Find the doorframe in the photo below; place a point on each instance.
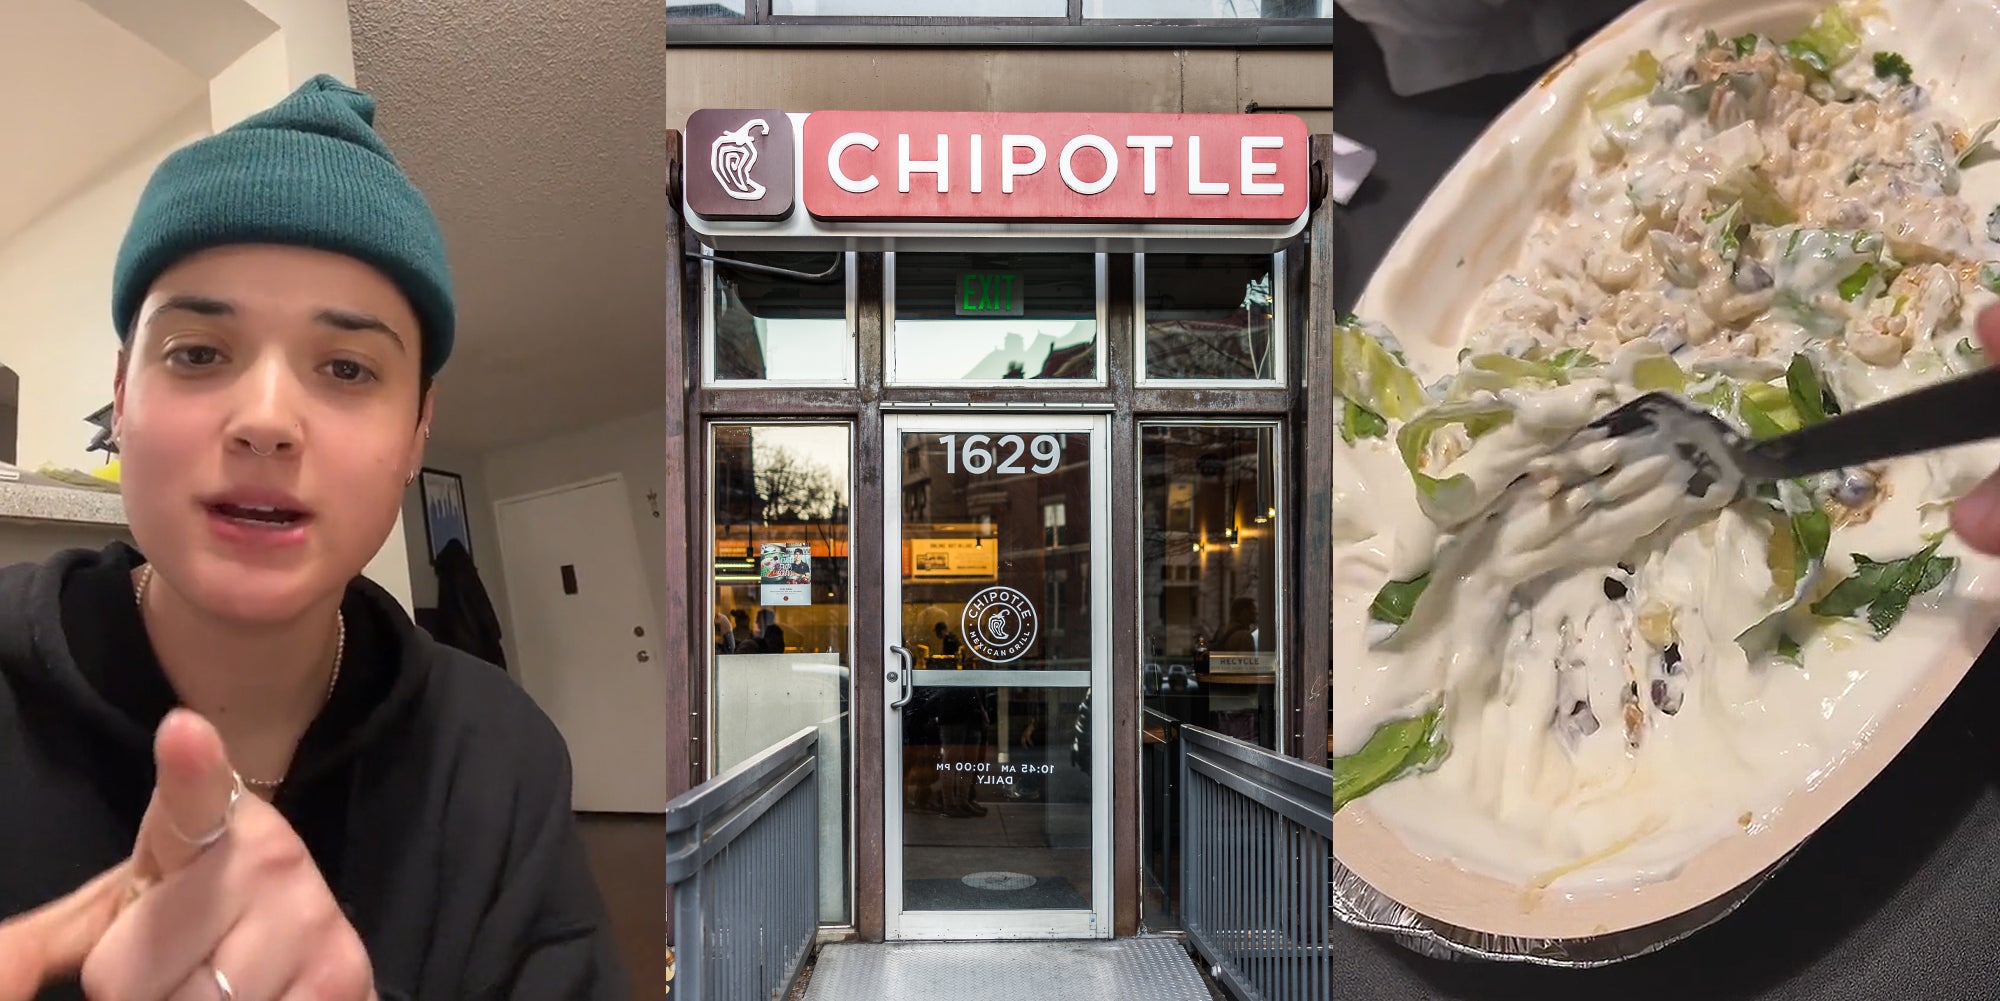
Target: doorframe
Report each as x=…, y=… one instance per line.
x=657, y=634
x=1016, y=924
x=656, y=645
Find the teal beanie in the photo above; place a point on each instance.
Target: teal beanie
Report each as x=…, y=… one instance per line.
x=309, y=172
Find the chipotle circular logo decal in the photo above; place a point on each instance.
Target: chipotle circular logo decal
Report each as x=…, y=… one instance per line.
x=999, y=624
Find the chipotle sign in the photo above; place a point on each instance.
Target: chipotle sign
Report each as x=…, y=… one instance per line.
x=882, y=165
x=924, y=166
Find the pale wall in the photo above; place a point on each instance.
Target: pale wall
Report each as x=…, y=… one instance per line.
x=1172, y=80
x=55, y=289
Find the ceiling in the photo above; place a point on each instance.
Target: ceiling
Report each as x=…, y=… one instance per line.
x=80, y=123
x=534, y=129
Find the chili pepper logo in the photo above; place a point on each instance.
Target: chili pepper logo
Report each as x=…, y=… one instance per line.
x=733, y=156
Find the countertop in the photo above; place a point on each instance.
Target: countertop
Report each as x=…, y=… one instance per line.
x=36, y=500
x=1897, y=897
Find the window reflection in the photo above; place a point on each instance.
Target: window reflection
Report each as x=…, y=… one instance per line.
x=920, y=8
x=1209, y=317
x=995, y=317
x=709, y=10
x=1210, y=635
x=776, y=327
x=1208, y=8
x=780, y=627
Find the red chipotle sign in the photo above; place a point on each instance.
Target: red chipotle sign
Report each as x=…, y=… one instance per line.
x=1082, y=167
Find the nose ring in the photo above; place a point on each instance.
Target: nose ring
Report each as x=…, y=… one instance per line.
x=259, y=451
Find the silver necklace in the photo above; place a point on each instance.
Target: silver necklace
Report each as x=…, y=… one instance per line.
x=339, y=652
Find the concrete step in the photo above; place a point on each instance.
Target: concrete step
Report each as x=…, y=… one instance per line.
x=1140, y=969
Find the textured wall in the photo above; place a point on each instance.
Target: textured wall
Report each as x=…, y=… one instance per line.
x=534, y=130
x=1201, y=80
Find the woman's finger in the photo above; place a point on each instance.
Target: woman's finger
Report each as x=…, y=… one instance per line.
x=263, y=954
x=203, y=985
x=193, y=795
x=1976, y=516
x=162, y=937
x=1988, y=326
x=51, y=942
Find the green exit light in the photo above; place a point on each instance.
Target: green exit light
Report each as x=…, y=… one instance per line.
x=986, y=294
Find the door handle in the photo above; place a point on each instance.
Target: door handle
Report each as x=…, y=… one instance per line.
x=902, y=676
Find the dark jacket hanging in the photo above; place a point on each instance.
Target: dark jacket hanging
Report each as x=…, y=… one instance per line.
x=465, y=618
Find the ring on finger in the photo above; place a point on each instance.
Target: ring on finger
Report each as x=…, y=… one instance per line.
x=222, y=988
x=221, y=828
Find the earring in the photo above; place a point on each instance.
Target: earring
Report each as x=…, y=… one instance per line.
x=407, y=480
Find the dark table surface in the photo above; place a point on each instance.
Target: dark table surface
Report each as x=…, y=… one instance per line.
x=1897, y=897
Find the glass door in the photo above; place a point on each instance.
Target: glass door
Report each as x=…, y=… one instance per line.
x=995, y=604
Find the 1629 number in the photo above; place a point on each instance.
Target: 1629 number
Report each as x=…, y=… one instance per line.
x=981, y=454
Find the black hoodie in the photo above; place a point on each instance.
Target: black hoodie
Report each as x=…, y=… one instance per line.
x=432, y=792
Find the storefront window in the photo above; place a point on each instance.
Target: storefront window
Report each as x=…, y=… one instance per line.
x=920, y=8
x=707, y=10
x=1211, y=632
x=1209, y=316
x=1206, y=9
x=780, y=328
x=995, y=318
x=779, y=621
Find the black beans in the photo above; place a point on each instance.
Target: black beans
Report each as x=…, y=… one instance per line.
x=1666, y=697
x=1614, y=588
x=1751, y=276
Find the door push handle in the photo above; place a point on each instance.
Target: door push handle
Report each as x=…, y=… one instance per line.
x=902, y=676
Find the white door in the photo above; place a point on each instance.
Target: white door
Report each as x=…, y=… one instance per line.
x=587, y=640
x=996, y=602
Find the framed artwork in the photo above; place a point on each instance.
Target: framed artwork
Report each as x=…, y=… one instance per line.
x=444, y=510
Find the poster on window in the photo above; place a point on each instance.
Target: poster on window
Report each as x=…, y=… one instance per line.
x=785, y=571
x=954, y=559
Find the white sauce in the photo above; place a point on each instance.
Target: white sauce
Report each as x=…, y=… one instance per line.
x=1516, y=625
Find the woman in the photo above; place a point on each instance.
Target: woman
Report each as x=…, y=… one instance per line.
x=231, y=767
x=1976, y=516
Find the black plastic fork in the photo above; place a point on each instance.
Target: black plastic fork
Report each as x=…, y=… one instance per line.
x=1956, y=411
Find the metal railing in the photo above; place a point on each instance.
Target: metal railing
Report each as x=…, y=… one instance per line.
x=743, y=876
x=1256, y=849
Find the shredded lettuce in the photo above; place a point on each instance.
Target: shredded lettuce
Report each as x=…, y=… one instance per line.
x=1638, y=78
x=1797, y=559
x=1760, y=408
x=1971, y=351
x=1757, y=197
x=1827, y=43
x=1573, y=358
x=1446, y=499
x=1392, y=751
x=1809, y=397
x=1358, y=422
x=1977, y=150
x=1397, y=600
x=1885, y=588
x=1892, y=66
x=1658, y=373
x=1372, y=376
x=1493, y=372
x=1853, y=285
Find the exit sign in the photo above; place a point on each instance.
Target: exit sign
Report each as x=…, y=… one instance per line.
x=989, y=295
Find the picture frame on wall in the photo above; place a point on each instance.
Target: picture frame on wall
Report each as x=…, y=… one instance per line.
x=445, y=515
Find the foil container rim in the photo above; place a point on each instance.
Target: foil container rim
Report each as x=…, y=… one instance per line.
x=1359, y=905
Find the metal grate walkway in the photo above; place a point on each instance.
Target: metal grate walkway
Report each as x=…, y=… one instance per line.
x=1140, y=969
